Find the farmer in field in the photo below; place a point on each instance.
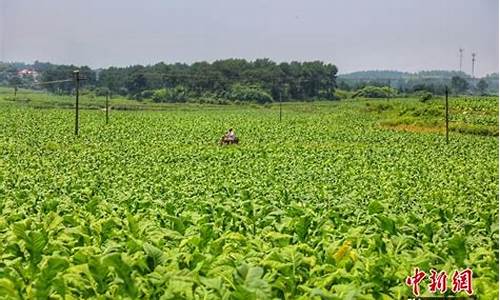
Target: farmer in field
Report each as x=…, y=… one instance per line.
x=230, y=135
x=229, y=138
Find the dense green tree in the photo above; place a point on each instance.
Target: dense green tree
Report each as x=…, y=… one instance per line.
x=251, y=93
x=137, y=83
x=434, y=82
x=482, y=86
x=302, y=80
x=342, y=85
x=15, y=81
x=176, y=94
x=459, y=84
x=65, y=72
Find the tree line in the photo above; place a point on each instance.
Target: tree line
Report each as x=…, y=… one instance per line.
x=239, y=80
x=434, y=82
x=261, y=80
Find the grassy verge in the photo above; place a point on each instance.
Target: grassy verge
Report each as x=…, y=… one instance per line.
x=477, y=116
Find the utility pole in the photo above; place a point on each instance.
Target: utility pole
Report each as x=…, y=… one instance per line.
x=461, y=50
x=280, y=104
x=107, y=107
x=278, y=83
x=446, y=112
x=389, y=86
x=76, y=75
x=473, y=61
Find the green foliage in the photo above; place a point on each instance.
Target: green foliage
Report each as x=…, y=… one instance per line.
x=252, y=93
x=378, y=107
x=136, y=83
x=375, y=92
x=342, y=94
x=434, y=82
x=63, y=72
x=471, y=115
x=474, y=129
x=425, y=96
x=15, y=81
x=294, y=81
x=482, y=86
x=459, y=85
x=102, y=91
x=324, y=205
x=170, y=95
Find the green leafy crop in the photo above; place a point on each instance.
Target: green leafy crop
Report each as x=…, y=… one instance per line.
x=324, y=205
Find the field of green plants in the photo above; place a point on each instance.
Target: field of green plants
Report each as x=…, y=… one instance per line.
x=334, y=202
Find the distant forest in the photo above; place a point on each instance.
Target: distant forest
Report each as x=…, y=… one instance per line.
x=260, y=81
x=431, y=81
x=239, y=80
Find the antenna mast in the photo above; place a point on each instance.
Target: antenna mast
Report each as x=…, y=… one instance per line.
x=473, y=61
x=461, y=50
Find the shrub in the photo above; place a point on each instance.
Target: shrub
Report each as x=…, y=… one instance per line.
x=147, y=94
x=253, y=93
x=375, y=92
x=425, y=96
x=378, y=107
x=101, y=91
x=171, y=95
x=342, y=94
x=475, y=129
x=327, y=94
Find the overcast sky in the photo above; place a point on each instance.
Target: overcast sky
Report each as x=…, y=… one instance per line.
x=407, y=35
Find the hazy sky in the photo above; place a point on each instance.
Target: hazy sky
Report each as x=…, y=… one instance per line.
x=408, y=35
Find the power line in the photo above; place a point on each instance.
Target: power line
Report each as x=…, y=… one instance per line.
x=54, y=81
x=387, y=79
x=77, y=78
x=275, y=79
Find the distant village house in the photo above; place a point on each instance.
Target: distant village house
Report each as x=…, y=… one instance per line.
x=28, y=73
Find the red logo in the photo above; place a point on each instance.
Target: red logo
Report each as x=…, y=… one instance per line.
x=460, y=281
x=414, y=281
x=438, y=282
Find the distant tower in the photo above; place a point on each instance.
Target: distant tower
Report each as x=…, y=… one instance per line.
x=473, y=61
x=461, y=50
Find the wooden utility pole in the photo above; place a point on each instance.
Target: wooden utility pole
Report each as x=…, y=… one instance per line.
x=280, y=105
x=76, y=74
x=107, y=107
x=389, y=86
x=446, y=112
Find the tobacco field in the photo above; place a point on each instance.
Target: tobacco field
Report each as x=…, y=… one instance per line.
x=326, y=204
